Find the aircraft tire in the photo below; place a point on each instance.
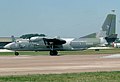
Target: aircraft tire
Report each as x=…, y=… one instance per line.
x=16, y=53
x=53, y=53
x=97, y=49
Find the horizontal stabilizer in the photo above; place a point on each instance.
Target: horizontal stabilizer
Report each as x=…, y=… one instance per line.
x=93, y=35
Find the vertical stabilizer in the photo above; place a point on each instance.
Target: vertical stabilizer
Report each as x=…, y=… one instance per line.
x=109, y=27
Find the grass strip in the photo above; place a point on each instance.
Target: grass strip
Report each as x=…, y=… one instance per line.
x=66, y=77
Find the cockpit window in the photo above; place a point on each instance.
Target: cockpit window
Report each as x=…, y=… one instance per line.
x=17, y=41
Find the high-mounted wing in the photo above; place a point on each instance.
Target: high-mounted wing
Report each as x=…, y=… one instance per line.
x=54, y=41
x=53, y=44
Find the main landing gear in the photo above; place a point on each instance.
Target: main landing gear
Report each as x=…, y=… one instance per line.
x=53, y=52
x=16, y=53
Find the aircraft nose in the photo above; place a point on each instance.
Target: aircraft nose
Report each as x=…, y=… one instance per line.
x=9, y=46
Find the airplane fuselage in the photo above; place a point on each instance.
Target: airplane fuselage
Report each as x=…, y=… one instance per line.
x=106, y=36
x=39, y=45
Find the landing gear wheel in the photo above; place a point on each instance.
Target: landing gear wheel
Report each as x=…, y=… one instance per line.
x=53, y=53
x=97, y=49
x=16, y=53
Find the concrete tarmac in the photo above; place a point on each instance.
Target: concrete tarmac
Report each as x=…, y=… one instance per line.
x=26, y=64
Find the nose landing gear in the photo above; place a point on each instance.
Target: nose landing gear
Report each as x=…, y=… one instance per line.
x=16, y=53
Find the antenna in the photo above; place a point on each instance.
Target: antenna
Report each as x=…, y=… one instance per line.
x=113, y=10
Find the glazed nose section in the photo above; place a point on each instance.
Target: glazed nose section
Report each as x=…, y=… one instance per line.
x=9, y=46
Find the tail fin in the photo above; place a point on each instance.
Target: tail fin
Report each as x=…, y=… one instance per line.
x=110, y=24
x=109, y=29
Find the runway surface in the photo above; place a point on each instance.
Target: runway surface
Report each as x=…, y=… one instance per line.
x=26, y=64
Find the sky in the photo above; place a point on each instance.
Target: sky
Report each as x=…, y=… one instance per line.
x=64, y=18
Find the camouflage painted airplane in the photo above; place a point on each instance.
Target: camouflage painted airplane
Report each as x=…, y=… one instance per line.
x=105, y=36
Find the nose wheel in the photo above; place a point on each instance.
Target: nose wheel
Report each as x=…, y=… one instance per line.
x=16, y=53
x=53, y=52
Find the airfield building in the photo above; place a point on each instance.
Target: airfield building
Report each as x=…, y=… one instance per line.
x=4, y=41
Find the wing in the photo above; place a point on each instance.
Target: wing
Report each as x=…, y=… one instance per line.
x=54, y=41
x=54, y=45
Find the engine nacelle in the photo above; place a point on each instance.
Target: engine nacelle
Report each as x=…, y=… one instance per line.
x=36, y=39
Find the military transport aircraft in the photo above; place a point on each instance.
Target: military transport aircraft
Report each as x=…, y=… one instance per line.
x=105, y=36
